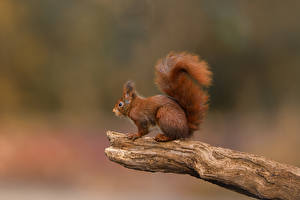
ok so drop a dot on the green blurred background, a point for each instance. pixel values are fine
(63, 63)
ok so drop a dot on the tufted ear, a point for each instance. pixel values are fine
(129, 90)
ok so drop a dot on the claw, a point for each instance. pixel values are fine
(133, 136)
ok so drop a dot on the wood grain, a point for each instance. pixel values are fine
(245, 173)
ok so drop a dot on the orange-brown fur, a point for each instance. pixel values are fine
(181, 76)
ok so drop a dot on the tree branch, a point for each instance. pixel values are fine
(245, 173)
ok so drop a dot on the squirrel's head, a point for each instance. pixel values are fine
(122, 107)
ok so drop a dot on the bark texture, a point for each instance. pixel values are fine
(245, 173)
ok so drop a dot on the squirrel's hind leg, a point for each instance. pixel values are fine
(172, 122)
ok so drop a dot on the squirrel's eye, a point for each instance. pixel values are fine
(120, 104)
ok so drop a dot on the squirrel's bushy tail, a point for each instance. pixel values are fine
(184, 77)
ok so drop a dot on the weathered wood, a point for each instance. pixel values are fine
(245, 173)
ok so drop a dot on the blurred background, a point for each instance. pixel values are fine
(63, 63)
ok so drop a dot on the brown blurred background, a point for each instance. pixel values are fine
(63, 63)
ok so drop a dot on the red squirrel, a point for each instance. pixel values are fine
(183, 77)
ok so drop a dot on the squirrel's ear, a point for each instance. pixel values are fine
(129, 90)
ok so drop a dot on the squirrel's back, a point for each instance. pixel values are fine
(185, 77)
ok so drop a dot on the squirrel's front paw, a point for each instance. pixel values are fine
(133, 136)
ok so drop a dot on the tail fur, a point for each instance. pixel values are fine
(184, 77)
